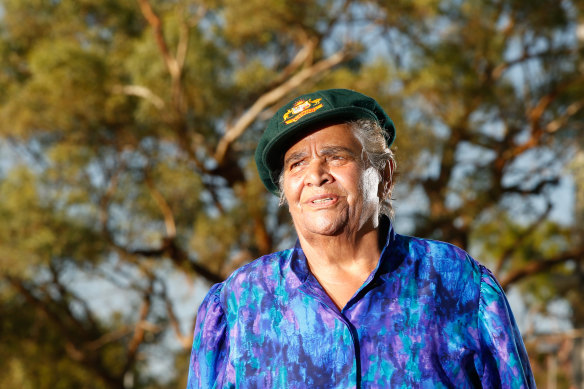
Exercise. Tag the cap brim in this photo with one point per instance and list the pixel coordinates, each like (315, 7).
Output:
(274, 151)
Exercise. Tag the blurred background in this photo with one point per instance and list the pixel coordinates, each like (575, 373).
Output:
(128, 187)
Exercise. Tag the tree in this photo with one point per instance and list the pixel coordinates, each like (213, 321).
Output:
(130, 126)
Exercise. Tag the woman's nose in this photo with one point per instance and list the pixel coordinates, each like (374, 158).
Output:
(317, 173)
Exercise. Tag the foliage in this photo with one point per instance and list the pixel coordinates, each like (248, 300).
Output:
(127, 131)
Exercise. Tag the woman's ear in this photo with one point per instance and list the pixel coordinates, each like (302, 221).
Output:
(386, 179)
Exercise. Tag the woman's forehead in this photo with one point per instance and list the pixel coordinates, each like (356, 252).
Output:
(337, 137)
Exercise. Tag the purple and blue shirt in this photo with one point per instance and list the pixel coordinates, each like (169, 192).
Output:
(428, 316)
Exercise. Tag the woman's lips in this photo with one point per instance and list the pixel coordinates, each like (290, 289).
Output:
(323, 200)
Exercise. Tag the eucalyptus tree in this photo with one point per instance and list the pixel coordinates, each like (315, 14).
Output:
(127, 131)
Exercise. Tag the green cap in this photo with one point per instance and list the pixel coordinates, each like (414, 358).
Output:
(307, 113)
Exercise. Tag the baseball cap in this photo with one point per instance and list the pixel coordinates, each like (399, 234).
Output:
(307, 113)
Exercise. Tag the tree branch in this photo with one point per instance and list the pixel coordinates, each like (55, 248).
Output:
(540, 266)
(154, 21)
(183, 45)
(501, 68)
(109, 337)
(557, 123)
(139, 329)
(535, 190)
(303, 56)
(185, 341)
(140, 91)
(75, 338)
(506, 255)
(177, 255)
(163, 206)
(534, 116)
(174, 65)
(272, 97)
(67, 294)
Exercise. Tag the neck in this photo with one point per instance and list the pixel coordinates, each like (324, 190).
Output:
(341, 265)
(341, 250)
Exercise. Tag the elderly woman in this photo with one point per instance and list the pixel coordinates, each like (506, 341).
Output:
(353, 304)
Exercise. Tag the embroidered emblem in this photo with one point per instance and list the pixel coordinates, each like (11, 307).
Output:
(300, 109)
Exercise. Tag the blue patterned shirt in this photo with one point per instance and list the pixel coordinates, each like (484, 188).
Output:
(429, 316)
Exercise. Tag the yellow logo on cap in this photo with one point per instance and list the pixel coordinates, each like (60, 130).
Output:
(300, 109)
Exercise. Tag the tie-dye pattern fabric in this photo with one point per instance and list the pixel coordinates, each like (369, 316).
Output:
(428, 316)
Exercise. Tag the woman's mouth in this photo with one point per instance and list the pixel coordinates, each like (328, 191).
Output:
(320, 201)
(323, 200)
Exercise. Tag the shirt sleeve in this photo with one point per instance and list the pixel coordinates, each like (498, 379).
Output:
(503, 356)
(210, 343)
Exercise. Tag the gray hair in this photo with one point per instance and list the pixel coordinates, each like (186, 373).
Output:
(375, 152)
